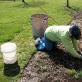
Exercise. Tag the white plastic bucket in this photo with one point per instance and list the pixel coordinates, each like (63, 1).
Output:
(9, 52)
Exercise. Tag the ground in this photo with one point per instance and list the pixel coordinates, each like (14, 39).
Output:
(15, 26)
(55, 66)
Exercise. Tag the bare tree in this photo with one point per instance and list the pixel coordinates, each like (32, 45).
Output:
(68, 3)
(23, 1)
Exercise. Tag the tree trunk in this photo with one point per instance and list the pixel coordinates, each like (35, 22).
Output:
(23, 1)
(68, 3)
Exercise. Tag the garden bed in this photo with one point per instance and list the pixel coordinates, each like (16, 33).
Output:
(55, 66)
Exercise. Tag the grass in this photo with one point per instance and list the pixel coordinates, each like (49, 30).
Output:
(15, 26)
(74, 73)
(71, 72)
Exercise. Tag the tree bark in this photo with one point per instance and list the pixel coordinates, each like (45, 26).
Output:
(23, 1)
(68, 3)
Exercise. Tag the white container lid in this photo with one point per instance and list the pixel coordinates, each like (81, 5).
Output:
(8, 47)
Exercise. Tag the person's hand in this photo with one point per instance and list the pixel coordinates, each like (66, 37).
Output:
(37, 42)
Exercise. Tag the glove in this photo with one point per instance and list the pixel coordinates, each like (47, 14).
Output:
(40, 44)
(37, 42)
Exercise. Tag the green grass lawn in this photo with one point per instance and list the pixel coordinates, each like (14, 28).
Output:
(15, 25)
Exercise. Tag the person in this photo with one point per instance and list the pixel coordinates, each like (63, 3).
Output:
(67, 35)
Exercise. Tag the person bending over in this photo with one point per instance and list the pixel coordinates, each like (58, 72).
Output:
(67, 35)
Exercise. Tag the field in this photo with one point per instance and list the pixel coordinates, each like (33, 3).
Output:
(15, 25)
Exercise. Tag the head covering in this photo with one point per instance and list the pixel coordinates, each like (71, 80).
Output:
(75, 32)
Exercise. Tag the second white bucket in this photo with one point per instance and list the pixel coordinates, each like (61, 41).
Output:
(9, 52)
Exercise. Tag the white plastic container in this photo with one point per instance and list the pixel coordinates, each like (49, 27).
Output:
(9, 52)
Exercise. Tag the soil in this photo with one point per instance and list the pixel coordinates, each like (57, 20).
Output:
(51, 66)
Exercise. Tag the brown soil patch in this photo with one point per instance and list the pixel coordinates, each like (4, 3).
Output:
(51, 66)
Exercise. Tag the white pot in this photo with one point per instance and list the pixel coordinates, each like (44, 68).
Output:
(9, 52)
